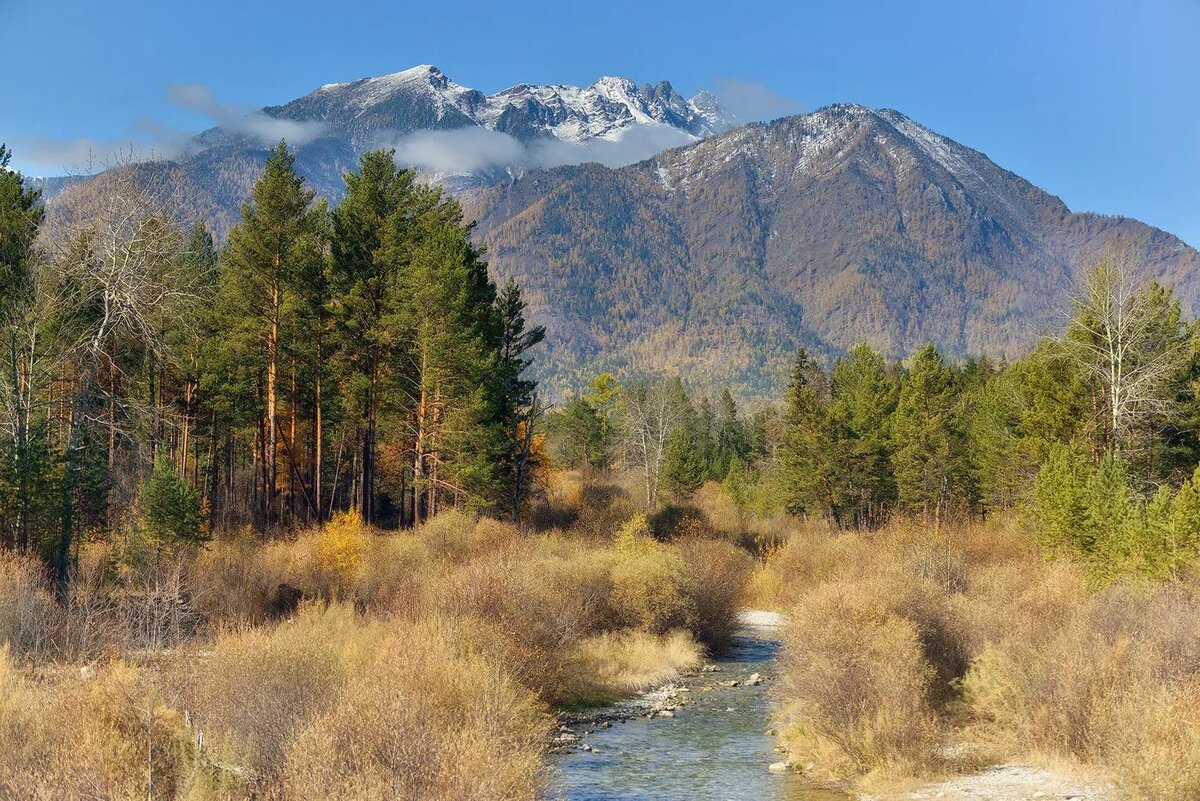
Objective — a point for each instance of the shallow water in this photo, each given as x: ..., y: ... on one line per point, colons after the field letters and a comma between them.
x: 714, y: 749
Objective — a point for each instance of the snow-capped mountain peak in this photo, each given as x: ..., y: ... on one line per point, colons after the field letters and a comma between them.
x: 424, y: 97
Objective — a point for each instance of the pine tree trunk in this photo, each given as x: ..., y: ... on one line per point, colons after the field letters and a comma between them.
x: 319, y: 432
x: 419, y: 448
x: 271, y: 443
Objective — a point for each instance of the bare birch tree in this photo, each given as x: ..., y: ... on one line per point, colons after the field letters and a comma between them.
x: 115, y: 268
x: 649, y: 412
x: 1128, y: 339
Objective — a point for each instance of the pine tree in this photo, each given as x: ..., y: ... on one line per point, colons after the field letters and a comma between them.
x: 578, y: 434
x: 1110, y: 530
x: 171, y: 513
x: 453, y: 337
x: 369, y: 250
x: 271, y: 253
x: 516, y: 403
x: 21, y: 215
x: 1059, y: 499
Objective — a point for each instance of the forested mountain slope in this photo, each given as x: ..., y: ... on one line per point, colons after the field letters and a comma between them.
x: 845, y: 225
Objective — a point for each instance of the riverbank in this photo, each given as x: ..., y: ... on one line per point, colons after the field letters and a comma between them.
x: 914, y: 654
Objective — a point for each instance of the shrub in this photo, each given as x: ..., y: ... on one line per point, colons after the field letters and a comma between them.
x: 649, y: 583
x: 262, y: 686
x: 717, y: 574
x: 29, y: 617
x: 341, y: 547
x: 427, y: 719
x: 854, y: 685
x: 107, y: 735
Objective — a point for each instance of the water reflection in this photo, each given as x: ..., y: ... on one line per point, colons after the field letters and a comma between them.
x: 714, y: 749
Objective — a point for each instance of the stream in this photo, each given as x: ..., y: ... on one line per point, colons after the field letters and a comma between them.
x: 714, y: 749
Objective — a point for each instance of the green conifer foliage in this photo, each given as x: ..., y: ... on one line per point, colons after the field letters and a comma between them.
x: 171, y: 511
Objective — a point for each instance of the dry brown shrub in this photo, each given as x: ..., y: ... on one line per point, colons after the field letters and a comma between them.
x: 29, y: 617
x: 854, y: 685
x: 260, y: 686
x: 1149, y: 734
x: 650, y: 586
x: 717, y: 575
x: 429, y: 719
x: 103, y: 735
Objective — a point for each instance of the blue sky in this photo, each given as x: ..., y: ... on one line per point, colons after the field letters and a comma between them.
x: 1097, y: 102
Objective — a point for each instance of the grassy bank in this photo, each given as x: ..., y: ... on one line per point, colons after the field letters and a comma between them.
x: 345, y: 662
x: 917, y: 650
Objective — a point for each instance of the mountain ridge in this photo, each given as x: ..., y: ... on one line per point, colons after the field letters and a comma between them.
x: 847, y: 224
x: 716, y: 258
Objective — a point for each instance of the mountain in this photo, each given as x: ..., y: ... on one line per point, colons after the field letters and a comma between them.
x: 717, y: 257
x: 845, y: 225
x: 422, y: 98
x: 453, y: 134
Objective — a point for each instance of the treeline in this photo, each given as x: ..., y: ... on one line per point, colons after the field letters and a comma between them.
x: 324, y: 359
x: 1094, y: 433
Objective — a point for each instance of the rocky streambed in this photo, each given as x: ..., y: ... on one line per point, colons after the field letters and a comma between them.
x: 705, y: 737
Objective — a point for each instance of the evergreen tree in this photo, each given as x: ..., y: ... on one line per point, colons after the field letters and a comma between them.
x: 808, y: 461
x: 686, y: 463
x: 171, y: 513
x: 370, y: 249
x: 1111, y: 530
x: 21, y: 215
x: 1060, y: 501
x: 578, y: 433
x: 928, y: 451
x: 270, y: 255
x: 861, y: 409
x: 517, y: 409
x: 732, y: 445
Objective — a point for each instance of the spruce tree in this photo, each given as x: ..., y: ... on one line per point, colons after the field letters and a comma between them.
x: 928, y: 452
x: 863, y: 402
x: 808, y: 462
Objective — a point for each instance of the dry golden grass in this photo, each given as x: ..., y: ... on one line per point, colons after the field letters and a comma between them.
x: 912, y: 637
x: 428, y: 718
x: 613, y: 665
x: 346, y: 662
x: 96, y: 734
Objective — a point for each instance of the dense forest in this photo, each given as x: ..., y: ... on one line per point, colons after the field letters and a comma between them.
x: 1093, y: 433
x: 321, y: 360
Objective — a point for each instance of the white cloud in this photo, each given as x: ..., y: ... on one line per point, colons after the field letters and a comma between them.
x: 267, y: 129
x: 86, y: 156
x: 465, y: 150
x: 752, y: 101
x: 149, y: 140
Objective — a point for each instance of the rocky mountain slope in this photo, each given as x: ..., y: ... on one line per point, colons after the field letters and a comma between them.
x: 845, y: 225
